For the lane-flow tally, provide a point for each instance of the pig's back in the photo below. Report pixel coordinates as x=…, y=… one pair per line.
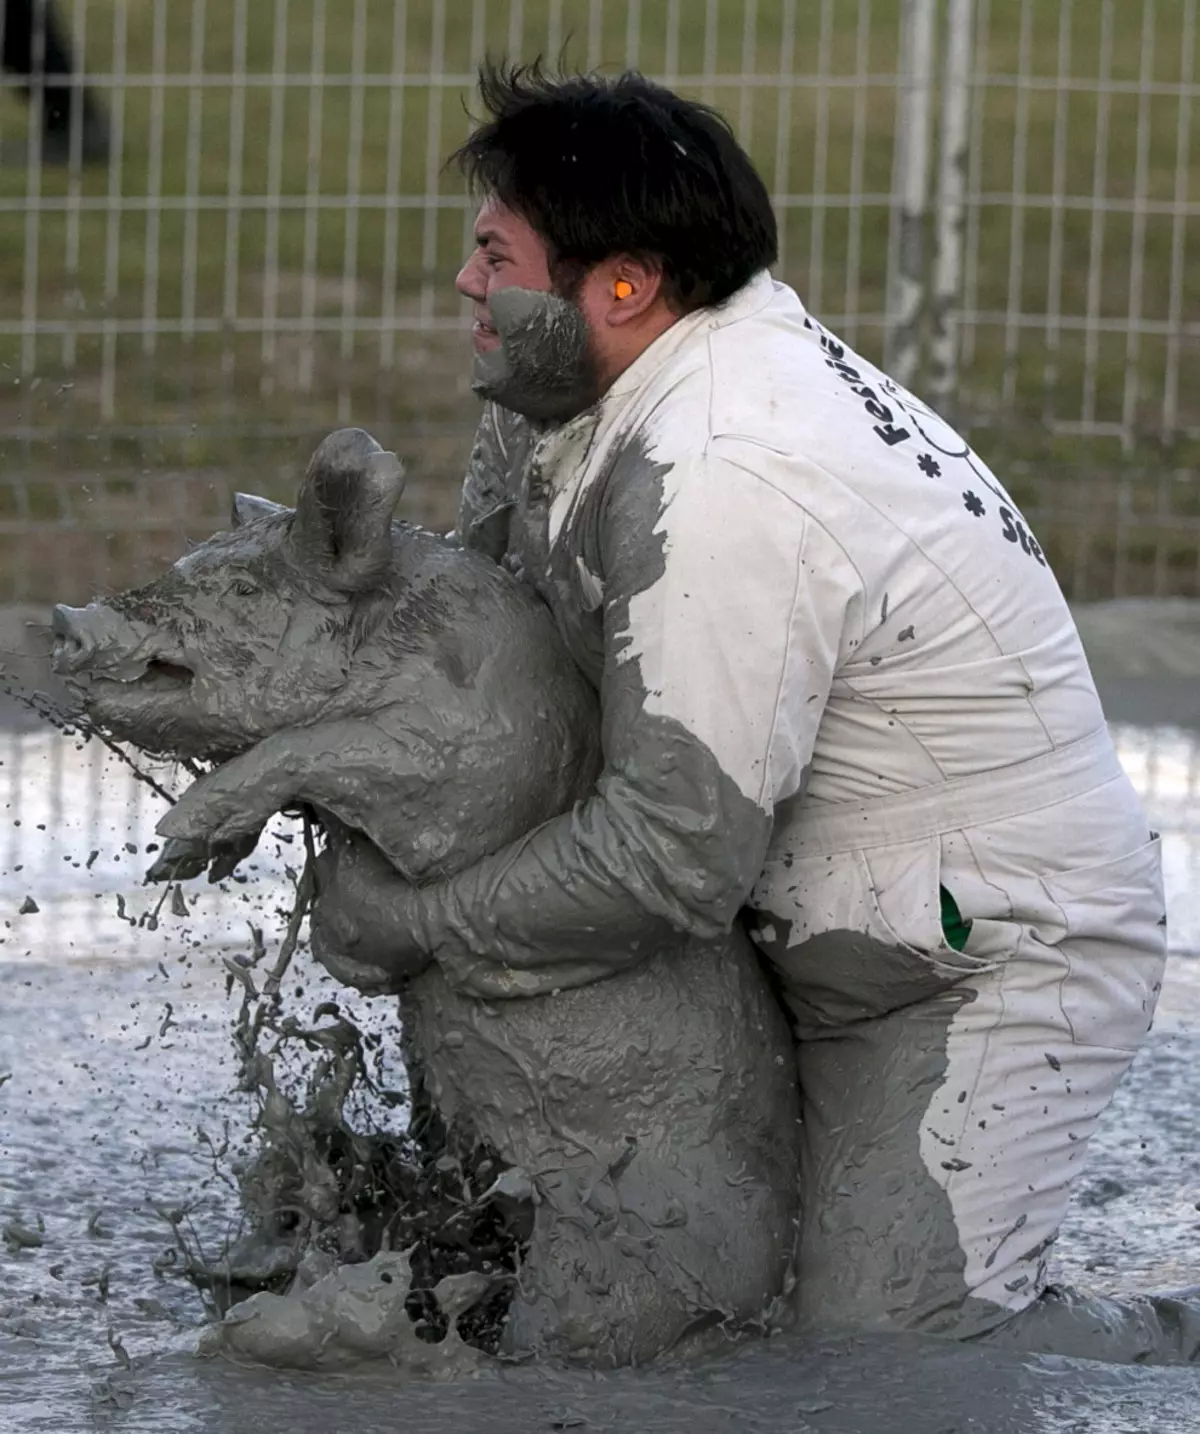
x=493, y=729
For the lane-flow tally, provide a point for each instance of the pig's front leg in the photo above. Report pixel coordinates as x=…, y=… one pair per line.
x=180, y=860
x=314, y=765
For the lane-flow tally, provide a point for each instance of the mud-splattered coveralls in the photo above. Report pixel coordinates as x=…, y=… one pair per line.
x=842, y=692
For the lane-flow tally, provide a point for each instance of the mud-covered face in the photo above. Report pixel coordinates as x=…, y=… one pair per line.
x=249, y=632
x=534, y=349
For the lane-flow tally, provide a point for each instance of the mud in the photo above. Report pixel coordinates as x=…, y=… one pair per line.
x=292, y=1329
x=346, y=1315
x=864, y=1386
x=544, y=367
x=95, y=1131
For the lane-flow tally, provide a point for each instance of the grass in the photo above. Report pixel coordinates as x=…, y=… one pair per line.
x=295, y=310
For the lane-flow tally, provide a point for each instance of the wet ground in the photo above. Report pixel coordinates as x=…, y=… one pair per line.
x=118, y=1107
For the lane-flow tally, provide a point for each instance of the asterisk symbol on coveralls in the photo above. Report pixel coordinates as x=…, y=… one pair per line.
x=929, y=465
x=973, y=505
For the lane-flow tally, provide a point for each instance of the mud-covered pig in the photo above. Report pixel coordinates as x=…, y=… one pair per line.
x=416, y=692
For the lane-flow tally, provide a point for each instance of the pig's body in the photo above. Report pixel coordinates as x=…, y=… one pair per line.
x=419, y=694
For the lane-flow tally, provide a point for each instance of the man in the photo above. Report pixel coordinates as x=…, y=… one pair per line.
x=842, y=694
x=36, y=47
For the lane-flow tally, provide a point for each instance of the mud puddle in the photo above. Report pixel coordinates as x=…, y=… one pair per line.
x=118, y=1128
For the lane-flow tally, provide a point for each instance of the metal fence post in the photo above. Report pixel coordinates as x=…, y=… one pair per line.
x=910, y=189
x=950, y=202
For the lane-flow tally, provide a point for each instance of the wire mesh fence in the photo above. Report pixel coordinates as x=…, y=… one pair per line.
x=257, y=241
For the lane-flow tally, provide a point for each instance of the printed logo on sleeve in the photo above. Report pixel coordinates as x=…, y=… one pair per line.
x=899, y=418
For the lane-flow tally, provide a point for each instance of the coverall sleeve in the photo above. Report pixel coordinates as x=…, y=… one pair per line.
x=720, y=642
x=493, y=476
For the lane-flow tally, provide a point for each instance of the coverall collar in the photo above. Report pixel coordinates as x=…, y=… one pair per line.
x=749, y=299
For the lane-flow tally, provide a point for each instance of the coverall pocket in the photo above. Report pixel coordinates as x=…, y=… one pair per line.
x=1114, y=944
x=904, y=891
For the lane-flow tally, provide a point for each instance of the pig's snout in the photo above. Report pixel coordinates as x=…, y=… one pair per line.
x=95, y=638
x=75, y=638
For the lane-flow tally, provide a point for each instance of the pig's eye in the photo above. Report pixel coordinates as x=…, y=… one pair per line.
x=243, y=587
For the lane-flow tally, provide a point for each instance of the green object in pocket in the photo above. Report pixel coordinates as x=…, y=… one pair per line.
x=954, y=928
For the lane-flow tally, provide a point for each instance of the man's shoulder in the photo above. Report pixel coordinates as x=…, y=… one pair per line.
x=770, y=382
x=774, y=391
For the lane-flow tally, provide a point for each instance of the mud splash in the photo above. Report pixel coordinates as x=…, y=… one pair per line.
x=375, y=1232
x=315, y=1282
x=317, y=1181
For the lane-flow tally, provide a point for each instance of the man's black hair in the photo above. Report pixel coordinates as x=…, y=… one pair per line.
x=603, y=166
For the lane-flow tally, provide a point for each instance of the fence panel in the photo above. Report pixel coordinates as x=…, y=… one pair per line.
x=269, y=248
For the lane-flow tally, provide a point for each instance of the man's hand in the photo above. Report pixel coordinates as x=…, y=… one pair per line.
x=364, y=922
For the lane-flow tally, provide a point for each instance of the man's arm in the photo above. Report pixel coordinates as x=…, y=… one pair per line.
x=498, y=456
x=724, y=605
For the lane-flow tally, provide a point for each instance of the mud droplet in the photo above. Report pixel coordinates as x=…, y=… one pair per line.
x=94, y=1227
x=28, y=907
x=120, y=1353
x=1102, y=1192
x=21, y=1237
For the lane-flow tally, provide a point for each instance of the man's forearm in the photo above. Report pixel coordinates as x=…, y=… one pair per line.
x=531, y=920
x=591, y=893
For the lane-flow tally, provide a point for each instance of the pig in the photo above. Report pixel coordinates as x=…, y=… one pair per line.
x=394, y=681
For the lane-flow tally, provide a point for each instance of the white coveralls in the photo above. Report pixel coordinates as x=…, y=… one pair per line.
x=841, y=689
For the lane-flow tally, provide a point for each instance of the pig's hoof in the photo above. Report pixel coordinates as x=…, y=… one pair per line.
x=180, y=860
x=226, y=855
x=183, y=858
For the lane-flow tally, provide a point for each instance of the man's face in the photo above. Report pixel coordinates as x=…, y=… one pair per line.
x=508, y=254
x=534, y=349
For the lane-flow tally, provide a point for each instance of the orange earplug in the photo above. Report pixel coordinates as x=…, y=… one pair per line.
x=623, y=289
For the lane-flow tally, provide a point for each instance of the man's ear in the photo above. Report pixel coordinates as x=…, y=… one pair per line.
x=632, y=287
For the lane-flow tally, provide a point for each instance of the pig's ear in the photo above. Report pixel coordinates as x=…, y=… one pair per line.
x=343, y=524
x=246, y=507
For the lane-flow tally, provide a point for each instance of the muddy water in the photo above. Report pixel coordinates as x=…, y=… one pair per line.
x=114, y=1036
